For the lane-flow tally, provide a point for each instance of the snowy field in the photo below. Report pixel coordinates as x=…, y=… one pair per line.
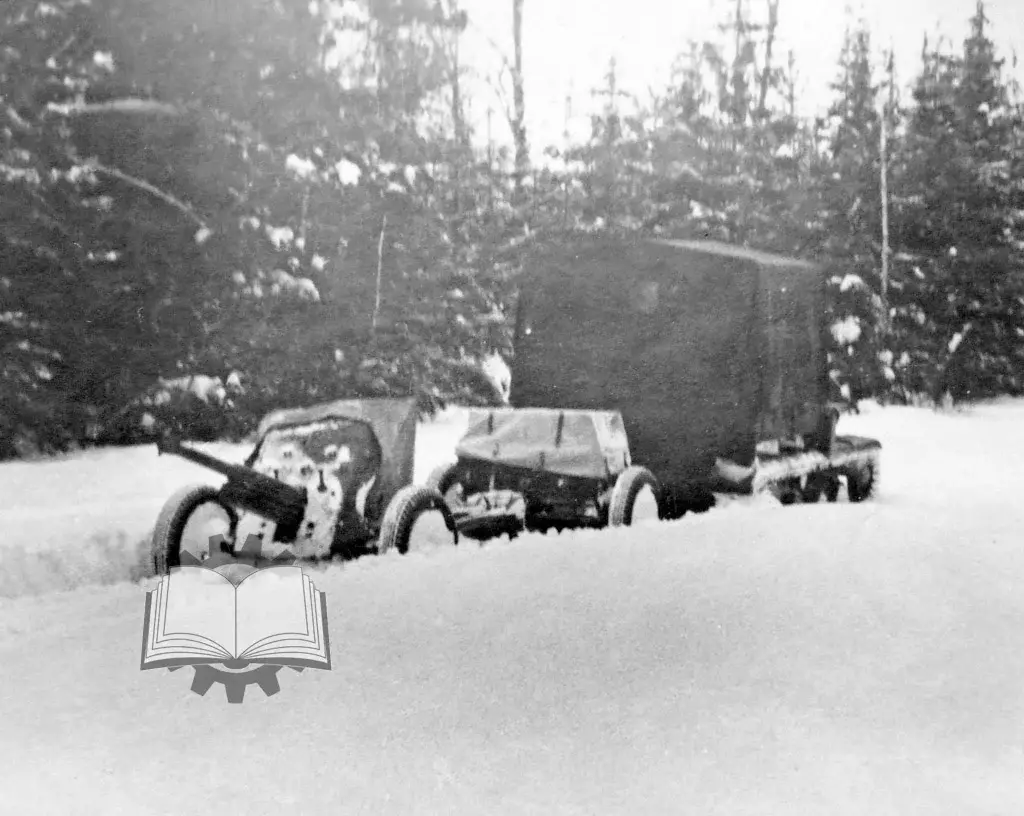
x=817, y=659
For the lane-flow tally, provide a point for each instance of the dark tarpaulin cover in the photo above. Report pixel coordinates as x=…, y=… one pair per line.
x=702, y=347
x=393, y=422
x=590, y=444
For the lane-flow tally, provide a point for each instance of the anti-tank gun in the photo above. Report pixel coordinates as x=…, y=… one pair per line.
x=332, y=480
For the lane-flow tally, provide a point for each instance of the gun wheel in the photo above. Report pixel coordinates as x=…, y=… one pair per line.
x=401, y=514
x=861, y=482
x=165, y=546
x=624, y=495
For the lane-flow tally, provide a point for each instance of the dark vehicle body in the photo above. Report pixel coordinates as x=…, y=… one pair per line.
x=705, y=349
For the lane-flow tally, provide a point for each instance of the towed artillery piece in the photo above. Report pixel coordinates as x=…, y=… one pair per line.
x=536, y=469
x=688, y=368
x=330, y=481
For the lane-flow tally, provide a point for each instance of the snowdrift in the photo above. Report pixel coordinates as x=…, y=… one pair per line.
x=826, y=659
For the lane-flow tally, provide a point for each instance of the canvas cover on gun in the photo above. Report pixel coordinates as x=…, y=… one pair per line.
x=393, y=422
x=588, y=444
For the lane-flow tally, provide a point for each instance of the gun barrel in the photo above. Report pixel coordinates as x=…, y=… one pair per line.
x=193, y=455
x=250, y=490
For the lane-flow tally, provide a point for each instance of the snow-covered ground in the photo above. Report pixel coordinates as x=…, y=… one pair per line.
x=817, y=659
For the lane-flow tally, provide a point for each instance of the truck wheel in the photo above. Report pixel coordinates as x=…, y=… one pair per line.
x=408, y=504
x=170, y=524
x=789, y=492
x=818, y=485
x=860, y=483
x=627, y=487
x=832, y=490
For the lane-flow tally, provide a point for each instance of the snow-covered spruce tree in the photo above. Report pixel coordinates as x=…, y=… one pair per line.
x=729, y=159
x=959, y=317
x=215, y=189
x=614, y=182
x=847, y=188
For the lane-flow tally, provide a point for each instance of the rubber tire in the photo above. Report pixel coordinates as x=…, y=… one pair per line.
x=819, y=484
x=789, y=492
x=824, y=439
x=832, y=490
x=405, y=507
x=165, y=546
x=860, y=485
x=627, y=487
x=442, y=478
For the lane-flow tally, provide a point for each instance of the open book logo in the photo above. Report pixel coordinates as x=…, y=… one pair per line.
x=236, y=623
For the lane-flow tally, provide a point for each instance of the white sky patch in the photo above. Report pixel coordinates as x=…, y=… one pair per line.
x=567, y=45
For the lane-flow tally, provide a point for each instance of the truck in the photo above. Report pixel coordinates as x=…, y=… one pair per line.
x=688, y=367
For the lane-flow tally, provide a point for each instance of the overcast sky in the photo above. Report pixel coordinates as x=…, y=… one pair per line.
x=568, y=44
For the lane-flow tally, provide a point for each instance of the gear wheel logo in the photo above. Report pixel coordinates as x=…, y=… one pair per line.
x=249, y=556
x=236, y=675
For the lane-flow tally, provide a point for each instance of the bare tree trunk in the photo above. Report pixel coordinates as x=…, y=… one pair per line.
x=739, y=100
x=518, y=99
x=773, y=22
x=490, y=165
x=565, y=148
x=304, y=222
x=458, y=118
x=380, y=272
x=887, y=108
x=884, y=190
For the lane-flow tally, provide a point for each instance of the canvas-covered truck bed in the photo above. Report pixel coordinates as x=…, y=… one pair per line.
x=705, y=349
